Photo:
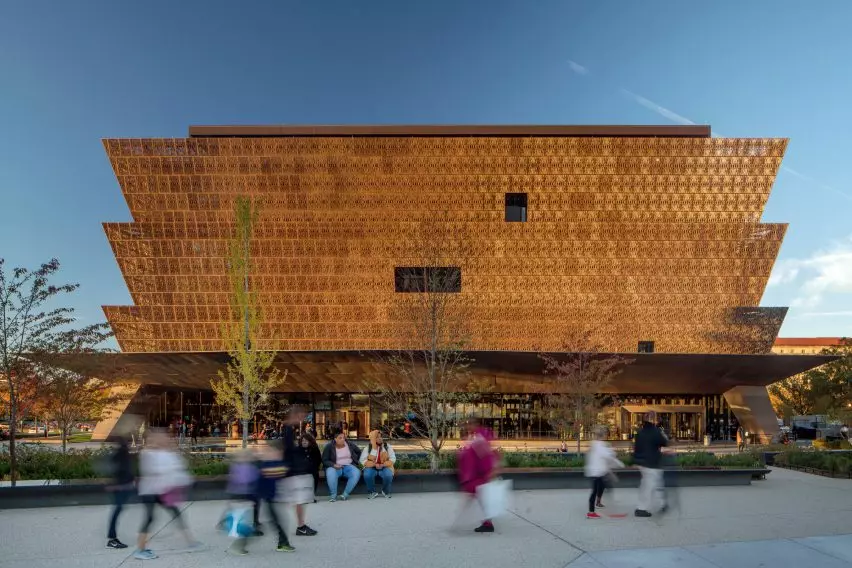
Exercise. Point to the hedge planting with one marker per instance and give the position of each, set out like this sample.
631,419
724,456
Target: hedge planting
36,462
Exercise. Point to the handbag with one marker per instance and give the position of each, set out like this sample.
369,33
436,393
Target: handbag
495,497
174,496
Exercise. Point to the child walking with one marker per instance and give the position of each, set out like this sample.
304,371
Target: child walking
600,461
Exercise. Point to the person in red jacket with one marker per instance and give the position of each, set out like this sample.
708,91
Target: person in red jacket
477,465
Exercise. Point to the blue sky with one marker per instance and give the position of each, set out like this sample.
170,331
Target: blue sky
72,73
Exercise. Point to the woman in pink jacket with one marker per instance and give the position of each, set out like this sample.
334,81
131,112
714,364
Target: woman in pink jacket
477,465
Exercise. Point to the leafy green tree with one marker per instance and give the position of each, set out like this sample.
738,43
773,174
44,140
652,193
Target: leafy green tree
824,390
245,386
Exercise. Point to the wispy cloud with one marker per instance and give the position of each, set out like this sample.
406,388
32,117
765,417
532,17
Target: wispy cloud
577,68
825,271
842,313
812,181
680,119
659,109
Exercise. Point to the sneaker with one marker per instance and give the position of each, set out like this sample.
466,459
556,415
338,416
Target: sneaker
372,495
592,516
387,495
305,530
144,555
285,547
115,543
238,551
484,528
332,499
344,497
599,506
641,513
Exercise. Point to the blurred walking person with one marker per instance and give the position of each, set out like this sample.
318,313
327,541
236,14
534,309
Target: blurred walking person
272,470
299,485
599,463
122,488
477,465
243,476
647,454
164,480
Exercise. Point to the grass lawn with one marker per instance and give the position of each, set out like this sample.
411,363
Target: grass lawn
80,437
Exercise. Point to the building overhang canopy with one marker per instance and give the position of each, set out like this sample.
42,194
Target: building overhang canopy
504,371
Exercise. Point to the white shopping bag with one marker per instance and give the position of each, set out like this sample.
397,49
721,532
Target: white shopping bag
495,497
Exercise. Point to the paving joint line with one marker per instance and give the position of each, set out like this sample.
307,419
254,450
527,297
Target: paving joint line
153,536
830,555
554,535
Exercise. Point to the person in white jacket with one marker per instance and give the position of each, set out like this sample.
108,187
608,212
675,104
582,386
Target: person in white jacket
599,463
163,481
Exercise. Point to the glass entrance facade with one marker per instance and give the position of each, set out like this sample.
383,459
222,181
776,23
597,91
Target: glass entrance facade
509,416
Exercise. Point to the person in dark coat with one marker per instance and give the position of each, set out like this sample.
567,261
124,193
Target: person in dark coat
123,487
299,486
309,444
648,455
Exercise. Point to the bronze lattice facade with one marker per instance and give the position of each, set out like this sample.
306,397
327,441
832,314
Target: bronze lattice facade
636,234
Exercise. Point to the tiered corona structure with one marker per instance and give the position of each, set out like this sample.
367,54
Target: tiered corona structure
635,238
642,236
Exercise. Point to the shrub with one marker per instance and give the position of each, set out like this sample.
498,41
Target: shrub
37,462
814,459
831,445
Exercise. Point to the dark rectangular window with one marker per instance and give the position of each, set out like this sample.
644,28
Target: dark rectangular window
427,279
516,207
646,347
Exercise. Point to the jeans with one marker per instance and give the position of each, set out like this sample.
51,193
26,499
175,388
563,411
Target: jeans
651,489
384,474
350,472
597,492
120,497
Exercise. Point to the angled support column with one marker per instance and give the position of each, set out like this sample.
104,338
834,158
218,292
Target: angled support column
114,418
754,411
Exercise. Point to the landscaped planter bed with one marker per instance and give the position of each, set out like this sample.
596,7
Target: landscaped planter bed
208,488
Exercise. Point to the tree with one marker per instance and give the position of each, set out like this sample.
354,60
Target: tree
428,370
824,390
578,378
71,397
29,396
245,385
29,327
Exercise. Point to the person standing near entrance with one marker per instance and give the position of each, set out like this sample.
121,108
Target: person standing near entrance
741,438
648,455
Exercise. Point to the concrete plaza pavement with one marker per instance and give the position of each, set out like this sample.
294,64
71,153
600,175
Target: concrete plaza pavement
790,519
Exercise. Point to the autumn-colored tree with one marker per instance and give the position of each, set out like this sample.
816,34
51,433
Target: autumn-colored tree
576,380
244,387
30,328
824,390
